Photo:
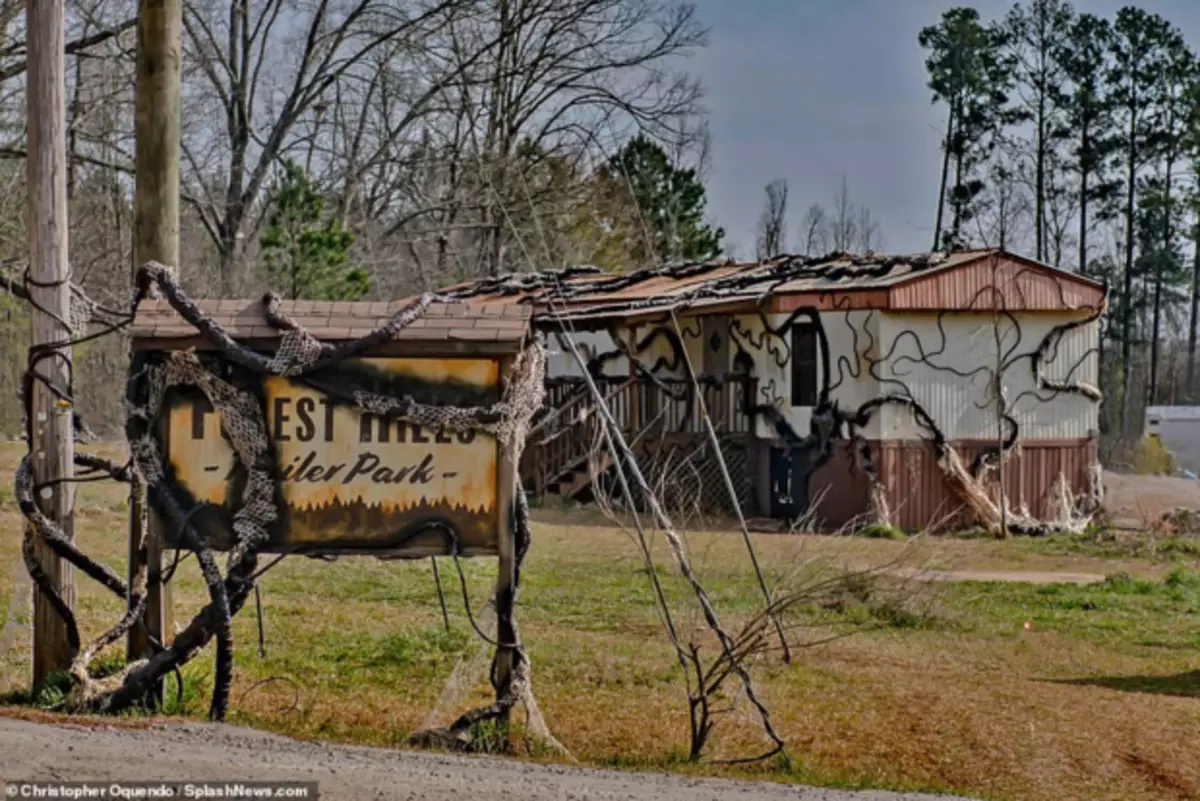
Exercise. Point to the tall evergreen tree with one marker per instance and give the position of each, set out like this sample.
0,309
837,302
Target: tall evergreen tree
670,202
1177,84
1139,60
970,71
1037,35
307,249
1089,118
1192,149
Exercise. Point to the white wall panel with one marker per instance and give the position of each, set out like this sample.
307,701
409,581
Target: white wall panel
952,381
852,384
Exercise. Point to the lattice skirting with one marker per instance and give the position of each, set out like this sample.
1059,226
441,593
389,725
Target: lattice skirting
687,476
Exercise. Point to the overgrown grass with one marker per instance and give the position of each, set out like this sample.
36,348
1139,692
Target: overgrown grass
946,691
882,531
1162,545
1123,612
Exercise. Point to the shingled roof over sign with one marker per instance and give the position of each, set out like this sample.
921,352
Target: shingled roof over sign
961,280
461,324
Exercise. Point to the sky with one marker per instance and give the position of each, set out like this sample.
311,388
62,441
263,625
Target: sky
814,90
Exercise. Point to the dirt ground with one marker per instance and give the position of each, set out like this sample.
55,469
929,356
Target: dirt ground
205,752
1138,501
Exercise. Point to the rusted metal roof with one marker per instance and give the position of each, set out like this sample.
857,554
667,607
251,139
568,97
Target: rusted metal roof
961,280
333,321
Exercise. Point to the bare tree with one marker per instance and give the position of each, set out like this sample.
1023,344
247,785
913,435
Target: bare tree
1060,212
264,71
815,230
563,79
843,225
1005,210
772,224
868,236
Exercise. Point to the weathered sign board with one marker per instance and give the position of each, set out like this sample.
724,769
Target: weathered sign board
350,481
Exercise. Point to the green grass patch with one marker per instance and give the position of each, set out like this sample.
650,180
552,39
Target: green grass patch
1122,611
882,531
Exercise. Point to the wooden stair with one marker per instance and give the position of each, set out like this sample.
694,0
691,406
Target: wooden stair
565,449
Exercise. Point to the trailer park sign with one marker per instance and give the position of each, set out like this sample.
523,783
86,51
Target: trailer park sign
350,481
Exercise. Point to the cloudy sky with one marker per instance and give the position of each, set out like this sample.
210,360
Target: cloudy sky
811,90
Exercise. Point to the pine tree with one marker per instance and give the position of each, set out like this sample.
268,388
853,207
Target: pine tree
1192,149
1140,46
669,201
306,249
971,71
1037,35
1178,82
1089,118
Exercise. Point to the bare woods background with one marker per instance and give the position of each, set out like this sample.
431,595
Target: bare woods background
362,148
373,148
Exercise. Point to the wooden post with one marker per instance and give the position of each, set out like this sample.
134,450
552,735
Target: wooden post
506,481
997,298
156,238
52,435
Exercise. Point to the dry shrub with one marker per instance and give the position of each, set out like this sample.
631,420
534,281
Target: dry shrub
1180,523
818,602
1152,458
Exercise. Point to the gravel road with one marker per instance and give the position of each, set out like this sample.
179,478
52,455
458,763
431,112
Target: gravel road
200,752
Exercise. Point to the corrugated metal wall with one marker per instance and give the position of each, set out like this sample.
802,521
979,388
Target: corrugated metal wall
838,490
952,382
992,281
919,497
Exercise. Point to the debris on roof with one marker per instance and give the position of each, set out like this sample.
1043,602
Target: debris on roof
567,293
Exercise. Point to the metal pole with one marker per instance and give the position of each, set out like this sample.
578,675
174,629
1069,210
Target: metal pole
50,416
262,639
437,580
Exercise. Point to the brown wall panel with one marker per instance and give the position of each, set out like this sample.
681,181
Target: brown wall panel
920,498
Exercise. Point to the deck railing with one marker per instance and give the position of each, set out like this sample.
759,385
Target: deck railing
568,430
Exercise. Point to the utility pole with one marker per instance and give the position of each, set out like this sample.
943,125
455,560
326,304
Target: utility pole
156,238
51,433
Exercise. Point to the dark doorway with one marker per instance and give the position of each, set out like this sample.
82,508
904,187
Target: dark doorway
789,482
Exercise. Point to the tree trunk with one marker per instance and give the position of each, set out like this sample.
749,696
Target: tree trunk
227,253
1039,222
956,226
156,238
1191,351
1164,252
1127,283
1084,174
49,424
73,127
941,204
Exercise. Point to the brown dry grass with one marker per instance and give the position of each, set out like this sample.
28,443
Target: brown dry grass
971,702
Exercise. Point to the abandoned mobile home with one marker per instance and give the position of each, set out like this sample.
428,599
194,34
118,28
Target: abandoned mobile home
844,388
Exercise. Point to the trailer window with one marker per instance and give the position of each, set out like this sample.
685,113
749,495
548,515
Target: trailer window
804,365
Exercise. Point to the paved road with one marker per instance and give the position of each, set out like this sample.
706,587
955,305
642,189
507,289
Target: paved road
200,752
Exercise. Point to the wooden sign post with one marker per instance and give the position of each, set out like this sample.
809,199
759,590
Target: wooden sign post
50,427
396,439
156,238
